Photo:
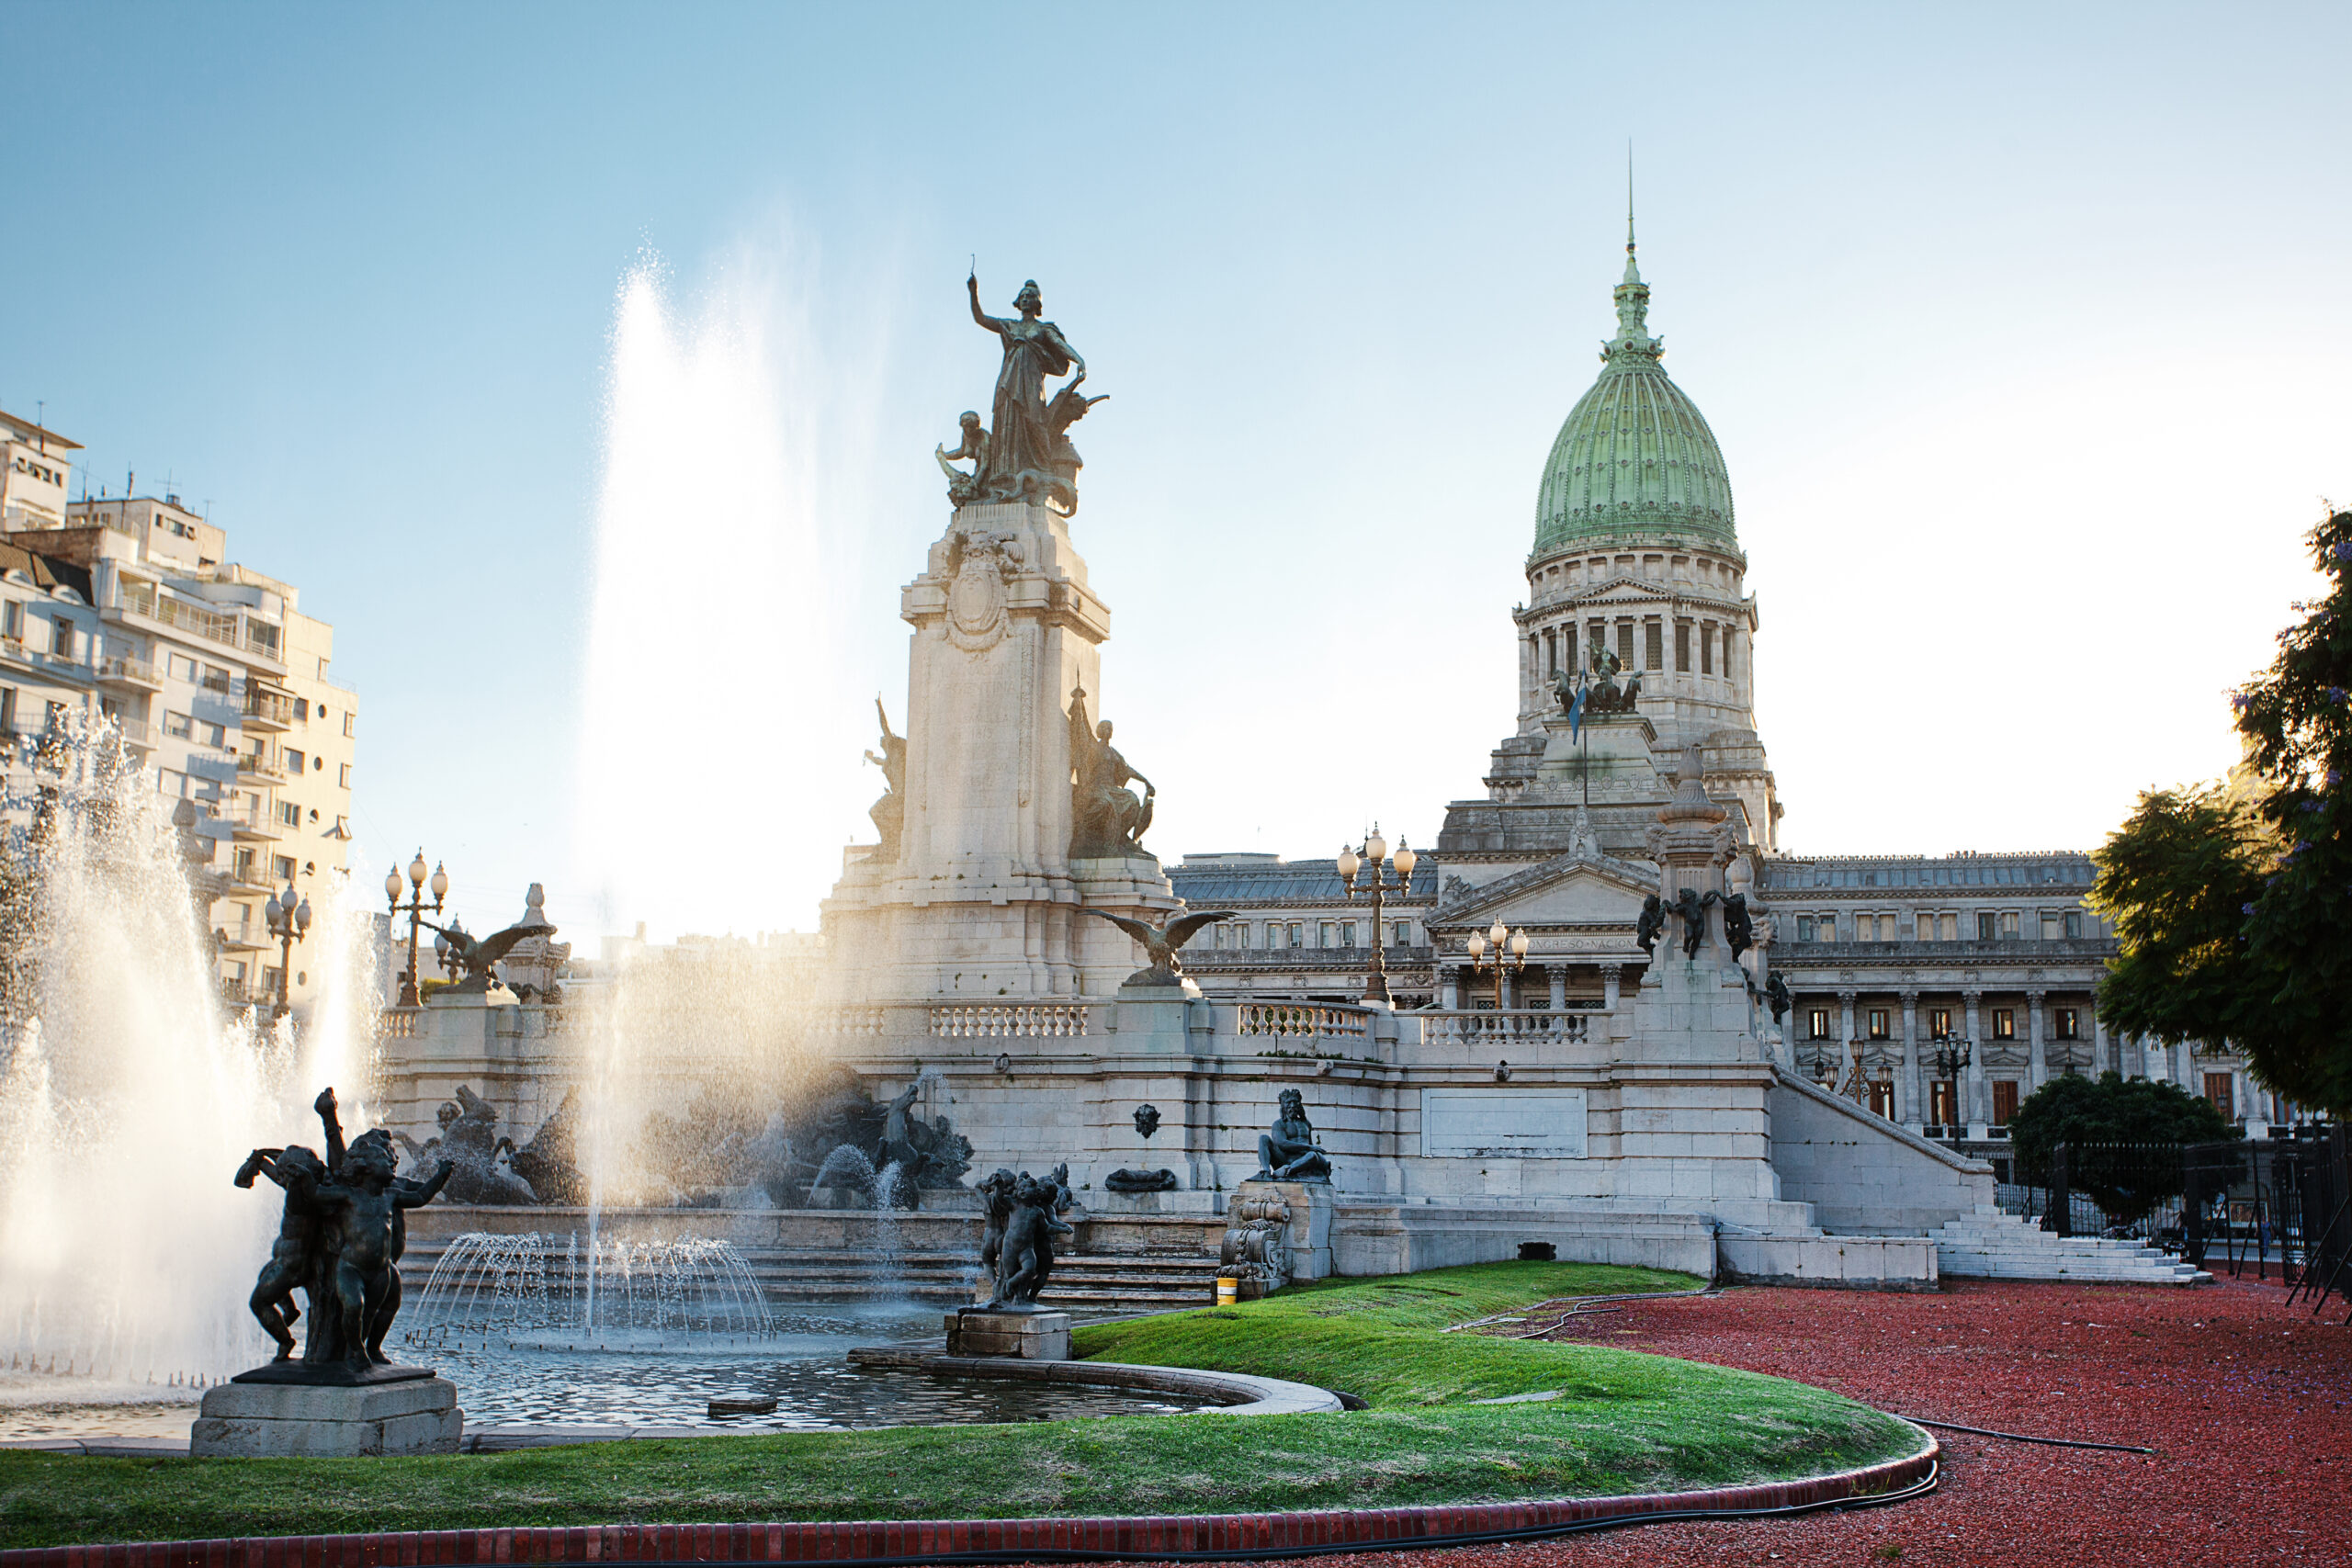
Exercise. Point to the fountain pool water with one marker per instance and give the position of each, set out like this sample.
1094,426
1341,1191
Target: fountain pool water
603,1293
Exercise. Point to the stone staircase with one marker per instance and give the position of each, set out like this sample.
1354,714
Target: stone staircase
1991,1243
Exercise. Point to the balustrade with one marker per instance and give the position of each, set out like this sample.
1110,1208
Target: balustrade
1302,1020
1466,1026
1008,1020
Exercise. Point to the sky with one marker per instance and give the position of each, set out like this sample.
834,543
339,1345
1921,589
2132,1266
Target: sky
577,362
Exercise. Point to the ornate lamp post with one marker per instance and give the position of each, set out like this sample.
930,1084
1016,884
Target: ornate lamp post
1373,854
1950,1057
289,923
1496,939
414,909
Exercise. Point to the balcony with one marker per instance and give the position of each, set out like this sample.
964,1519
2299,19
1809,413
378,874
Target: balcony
128,674
272,712
136,733
242,940
252,767
253,825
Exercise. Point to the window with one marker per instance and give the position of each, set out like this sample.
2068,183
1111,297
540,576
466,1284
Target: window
302,709
7,710
295,761
1939,1022
1817,1023
1940,1101
2005,1100
1297,933
1216,937
177,725
2074,923
1877,1023
1653,645
2010,924
236,967
343,776
2067,1023
171,782
243,863
2218,1091
215,678
1706,649
12,621
1567,659
1882,1099
2053,925
1682,646
1805,928
2005,1024
216,737
282,867
1347,933
289,814
348,715
1326,935
1984,925
60,638
180,667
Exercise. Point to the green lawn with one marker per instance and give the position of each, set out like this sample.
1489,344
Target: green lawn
1623,1422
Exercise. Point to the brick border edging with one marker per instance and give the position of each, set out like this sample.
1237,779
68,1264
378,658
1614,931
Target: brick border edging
916,1541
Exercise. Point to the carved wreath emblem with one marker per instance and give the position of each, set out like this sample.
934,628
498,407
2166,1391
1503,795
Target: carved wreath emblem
982,563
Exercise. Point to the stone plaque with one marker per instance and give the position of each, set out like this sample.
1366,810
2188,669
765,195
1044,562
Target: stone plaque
1496,1123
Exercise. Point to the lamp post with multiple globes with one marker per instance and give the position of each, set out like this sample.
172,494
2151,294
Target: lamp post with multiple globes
414,909
1372,856
289,923
1950,1058
1496,939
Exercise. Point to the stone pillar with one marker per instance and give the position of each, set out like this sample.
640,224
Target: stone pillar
1559,978
1906,1083
1448,995
2106,1052
1971,1109
1845,1022
1609,975
2037,1064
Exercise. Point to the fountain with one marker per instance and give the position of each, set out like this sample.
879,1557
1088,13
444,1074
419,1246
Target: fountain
539,1290
129,1094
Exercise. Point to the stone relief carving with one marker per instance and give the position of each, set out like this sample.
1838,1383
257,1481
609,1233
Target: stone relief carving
1256,1250
979,564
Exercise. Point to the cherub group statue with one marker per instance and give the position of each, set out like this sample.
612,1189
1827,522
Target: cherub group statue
339,1241
1017,1248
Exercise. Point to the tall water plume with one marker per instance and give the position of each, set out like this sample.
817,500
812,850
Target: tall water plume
728,689
128,1096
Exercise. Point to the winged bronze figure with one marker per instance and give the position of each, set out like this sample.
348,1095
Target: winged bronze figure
476,957
1161,941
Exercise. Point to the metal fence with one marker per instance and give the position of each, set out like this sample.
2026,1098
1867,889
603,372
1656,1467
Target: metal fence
2282,1202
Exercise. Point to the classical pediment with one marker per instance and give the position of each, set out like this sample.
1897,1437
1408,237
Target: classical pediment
1577,888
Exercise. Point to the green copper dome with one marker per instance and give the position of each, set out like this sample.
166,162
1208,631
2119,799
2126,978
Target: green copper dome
1635,456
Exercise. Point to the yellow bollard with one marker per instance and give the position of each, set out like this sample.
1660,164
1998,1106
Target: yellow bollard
1227,1291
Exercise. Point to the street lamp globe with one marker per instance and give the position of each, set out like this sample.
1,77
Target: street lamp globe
416,870
440,880
302,919
1518,943
272,914
393,885
1375,848
1350,864
1496,933
1477,945
1404,861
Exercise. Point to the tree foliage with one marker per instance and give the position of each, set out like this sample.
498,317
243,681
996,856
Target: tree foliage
2232,904
2111,1110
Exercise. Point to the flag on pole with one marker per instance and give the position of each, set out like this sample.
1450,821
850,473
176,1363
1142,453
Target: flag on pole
1576,708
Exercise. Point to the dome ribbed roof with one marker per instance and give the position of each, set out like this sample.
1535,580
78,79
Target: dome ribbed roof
1635,456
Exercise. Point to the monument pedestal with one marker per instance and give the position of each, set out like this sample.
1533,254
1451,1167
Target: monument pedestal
280,1420
1307,1237
1031,1336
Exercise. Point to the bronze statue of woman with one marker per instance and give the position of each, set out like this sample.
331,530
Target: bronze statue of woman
1018,465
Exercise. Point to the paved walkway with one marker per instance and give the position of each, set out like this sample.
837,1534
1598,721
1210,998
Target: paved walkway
2247,1400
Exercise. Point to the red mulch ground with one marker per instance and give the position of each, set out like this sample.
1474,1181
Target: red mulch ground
2247,1399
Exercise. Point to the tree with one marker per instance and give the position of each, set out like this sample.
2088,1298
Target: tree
2090,1117
2230,901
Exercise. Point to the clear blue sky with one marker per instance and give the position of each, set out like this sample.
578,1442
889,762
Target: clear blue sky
2024,330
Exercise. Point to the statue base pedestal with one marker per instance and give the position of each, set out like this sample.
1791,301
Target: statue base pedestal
281,1420
1030,1335
1308,1237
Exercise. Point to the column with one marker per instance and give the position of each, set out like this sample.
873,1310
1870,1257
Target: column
1449,997
1971,1109
1610,975
1845,1023
2102,1043
1906,1082
2037,1067
1559,973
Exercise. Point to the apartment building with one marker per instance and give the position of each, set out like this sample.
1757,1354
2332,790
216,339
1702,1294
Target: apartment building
221,686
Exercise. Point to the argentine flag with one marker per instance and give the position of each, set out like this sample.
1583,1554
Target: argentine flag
1576,708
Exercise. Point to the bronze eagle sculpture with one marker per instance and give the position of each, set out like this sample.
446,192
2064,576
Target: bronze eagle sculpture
1161,942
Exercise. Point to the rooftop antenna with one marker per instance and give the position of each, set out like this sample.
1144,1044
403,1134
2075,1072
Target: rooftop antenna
40,423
